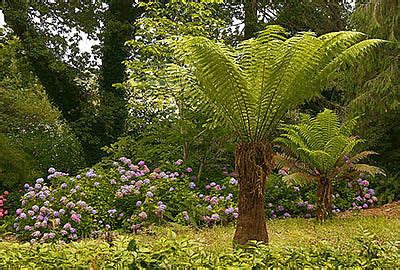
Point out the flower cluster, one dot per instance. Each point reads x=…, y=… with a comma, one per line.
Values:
x=365, y=196
x=3, y=199
x=53, y=213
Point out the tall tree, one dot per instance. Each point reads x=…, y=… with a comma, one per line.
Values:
x=253, y=87
x=373, y=89
x=50, y=33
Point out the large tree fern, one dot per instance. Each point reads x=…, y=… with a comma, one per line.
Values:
x=253, y=86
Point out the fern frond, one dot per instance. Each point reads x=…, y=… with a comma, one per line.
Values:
x=371, y=170
x=360, y=156
x=298, y=178
x=221, y=79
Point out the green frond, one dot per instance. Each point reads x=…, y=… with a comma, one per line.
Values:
x=352, y=142
x=349, y=56
x=360, y=156
x=298, y=178
x=348, y=126
x=221, y=79
x=368, y=169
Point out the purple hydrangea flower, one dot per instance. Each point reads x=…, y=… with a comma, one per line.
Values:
x=51, y=170
x=233, y=181
x=179, y=162
x=76, y=218
x=138, y=203
x=286, y=214
x=189, y=170
x=142, y=215
x=36, y=234
x=229, y=210
x=141, y=163
x=365, y=183
x=280, y=208
x=63, y=186
x=192, y=185
x=149, y=194
x=215, y=217
x=296, y=189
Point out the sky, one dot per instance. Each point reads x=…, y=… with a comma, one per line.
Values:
x=85, y=45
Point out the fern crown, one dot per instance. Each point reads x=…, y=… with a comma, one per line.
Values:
x=254, y=85
x=321, y=146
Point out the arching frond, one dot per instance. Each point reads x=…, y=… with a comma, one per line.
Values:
x=298, y=178
x=221, y=78
x=360, y=156
x=364, y=168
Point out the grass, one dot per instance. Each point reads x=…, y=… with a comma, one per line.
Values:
x=284, y=234
x=295, y=232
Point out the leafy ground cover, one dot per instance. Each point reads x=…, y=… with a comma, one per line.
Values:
x=352, y=240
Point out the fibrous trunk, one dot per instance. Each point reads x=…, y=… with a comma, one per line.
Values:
x=253, y=162
x=323, y=198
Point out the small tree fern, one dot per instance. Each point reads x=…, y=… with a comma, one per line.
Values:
x=253, y=86
x=320, y=150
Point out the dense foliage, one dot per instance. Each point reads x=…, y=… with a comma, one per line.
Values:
x=33, y=136
x=205, y=84
x=181, y=252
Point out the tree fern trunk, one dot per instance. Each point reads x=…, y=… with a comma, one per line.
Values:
x=253, y=164
x=323, y=198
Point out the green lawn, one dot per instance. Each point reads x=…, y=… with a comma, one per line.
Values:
x=340, y=235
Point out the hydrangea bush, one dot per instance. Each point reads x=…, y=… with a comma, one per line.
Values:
x=286, y=201
x=127, y=195
x=57, y=212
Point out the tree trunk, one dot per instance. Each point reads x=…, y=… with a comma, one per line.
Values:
x=323, y=198
x=250, y=18
x=253, y=164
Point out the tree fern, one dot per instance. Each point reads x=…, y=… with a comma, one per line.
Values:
x=253, y=87
x=256, y=84
x=321, y=149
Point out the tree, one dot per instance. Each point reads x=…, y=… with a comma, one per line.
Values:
x=321, y=150
x=373, y=88
x=50, y=32
x=253, y=87
x=163, y=123
x=32, y=135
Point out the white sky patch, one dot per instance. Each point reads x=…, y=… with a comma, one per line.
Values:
x=2, y=22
